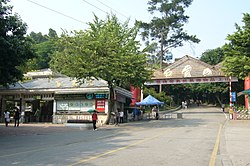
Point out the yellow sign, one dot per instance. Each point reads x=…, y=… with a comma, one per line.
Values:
x=231, y=111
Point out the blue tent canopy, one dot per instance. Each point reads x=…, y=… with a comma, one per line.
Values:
x=149, y=100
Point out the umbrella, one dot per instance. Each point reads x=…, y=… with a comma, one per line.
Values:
x=91, y=110
x=245, y=92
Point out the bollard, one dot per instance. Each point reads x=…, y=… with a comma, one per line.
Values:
x=179, y=115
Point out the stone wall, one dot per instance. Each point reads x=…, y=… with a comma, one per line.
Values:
x=63, y=118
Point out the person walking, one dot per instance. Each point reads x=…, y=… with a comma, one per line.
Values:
x=6, y=117
x=17, y=117
x=94, y=119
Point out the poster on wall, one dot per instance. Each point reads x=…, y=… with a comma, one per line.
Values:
x=86, y=105
x=100, y=105
x=62, y=105
x=74, y=105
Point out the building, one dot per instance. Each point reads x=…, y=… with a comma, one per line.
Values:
x=50, y=97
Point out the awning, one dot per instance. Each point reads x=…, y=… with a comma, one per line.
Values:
x=81, y=90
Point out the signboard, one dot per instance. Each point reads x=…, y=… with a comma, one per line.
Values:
x=100, y=105
x=190, y=80
x=62, y=105
x=88, y=96
x=169, y=56
x=85, y=105
x=101, y=96
x=75, y=105
x=233, y=96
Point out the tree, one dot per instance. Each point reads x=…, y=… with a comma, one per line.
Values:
x=38, y=37
x=168, y=28
x=15, y=48
x=219, y=91
x=52, y=33
x=213, y=56
x=107, y=50
x=237, y=50
x=44, y=46
x=160, y=96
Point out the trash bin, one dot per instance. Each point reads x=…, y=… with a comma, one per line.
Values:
x=179, y=115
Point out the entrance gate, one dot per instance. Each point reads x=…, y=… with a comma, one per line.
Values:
x=189, y=70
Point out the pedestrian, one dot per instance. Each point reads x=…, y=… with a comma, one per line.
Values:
x=37, y=115
x=223, y=107
x=6, y=117
x=17, y=117
x=186, y=104
x=198, y=103
x=117, y=117
x=121, y=116
x=94, y=119
x=183, y=104
x=155, y=112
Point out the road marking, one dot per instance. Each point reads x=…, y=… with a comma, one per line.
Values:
x=115, y=150
x=216, y=147
x=225, y=115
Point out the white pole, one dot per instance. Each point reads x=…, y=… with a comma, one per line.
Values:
x=230, y=99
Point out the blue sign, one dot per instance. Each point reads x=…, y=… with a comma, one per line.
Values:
x=169, y=56
x=233, y=96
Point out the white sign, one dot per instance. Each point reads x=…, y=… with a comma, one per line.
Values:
x=75, y=105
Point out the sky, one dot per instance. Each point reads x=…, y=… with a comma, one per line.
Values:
x=210, y=20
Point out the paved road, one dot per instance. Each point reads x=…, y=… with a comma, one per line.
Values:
x=203, y=137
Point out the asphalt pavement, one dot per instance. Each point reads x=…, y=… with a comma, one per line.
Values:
x=233, y=150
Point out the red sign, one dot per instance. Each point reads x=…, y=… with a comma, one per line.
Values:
x=100, y=105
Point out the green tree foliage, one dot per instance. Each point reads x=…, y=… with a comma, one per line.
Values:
x=166, y=27
x=38, y=37
x=44, y=46
x=160, y=96
x=217, y=92
x=106, y=50
x=213, y=92
x=237, y=50
x=15, y=48
x=213, y=56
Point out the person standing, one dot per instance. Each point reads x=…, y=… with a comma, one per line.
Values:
x=6, y=117
x=17, y=117
x=157, y=113
x=117, y=117
x=94, y=119
x=223, y=107
x=121, y=116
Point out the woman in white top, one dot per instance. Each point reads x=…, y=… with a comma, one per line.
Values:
x=6, y=117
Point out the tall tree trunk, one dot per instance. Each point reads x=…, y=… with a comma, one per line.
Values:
x=111, y=103
x=218, y=99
